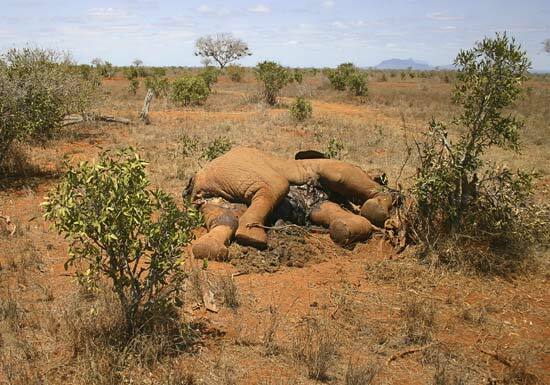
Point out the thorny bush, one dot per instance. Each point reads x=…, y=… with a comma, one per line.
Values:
x=274, y=77
x=470, y=212
x=190, y=90
x=301, y=109
x=124, y=231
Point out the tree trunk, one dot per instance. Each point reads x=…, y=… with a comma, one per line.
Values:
x=144, y=115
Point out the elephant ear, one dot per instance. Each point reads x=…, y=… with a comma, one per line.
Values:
x=309, y=154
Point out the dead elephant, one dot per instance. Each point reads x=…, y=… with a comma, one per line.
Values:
x=238, y=191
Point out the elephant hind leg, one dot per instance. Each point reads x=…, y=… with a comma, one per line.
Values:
x=221, y=223
x=344, y=227
x=262, y=203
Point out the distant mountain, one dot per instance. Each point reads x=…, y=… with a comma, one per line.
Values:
x=403, y=64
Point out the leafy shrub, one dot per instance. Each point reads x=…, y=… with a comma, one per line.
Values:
x=335, y=149
x=274, y=77
x=486, y=209
x=357, y=84
x=189, y=90
x=301, y=109
x=133, y=86
x=210, y=76
x=235, y=73
x=346, y=75
x=298, y=76
x=158, y=84
x=216, y=148
x=38, y=88
x=124, y=231
x=337, y=79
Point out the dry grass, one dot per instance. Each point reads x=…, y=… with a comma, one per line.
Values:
x=361, y=373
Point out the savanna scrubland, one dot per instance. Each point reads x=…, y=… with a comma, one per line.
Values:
x=303, y=311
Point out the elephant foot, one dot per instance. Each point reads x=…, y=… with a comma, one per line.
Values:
x=377, y=209
x=349, y=230
x=209, y=248
x=253, y=236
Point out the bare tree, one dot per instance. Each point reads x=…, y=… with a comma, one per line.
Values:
x=223, y=48
x=97, y=62
x=137, y=62
x=546, y=45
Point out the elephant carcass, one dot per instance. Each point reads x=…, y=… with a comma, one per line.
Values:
x=238, y=191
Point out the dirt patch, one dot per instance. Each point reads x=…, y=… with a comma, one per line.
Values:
x=292, y=247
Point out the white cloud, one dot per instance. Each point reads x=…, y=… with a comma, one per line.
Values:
x=328, y=3
x=339, y=24
x=443, y=16
x=292, y=42
x=203, y=8
x=260, y=8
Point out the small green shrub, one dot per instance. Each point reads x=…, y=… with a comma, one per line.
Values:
x=335, y=149
x=133, y=86
x=216, y=148
x=274, y=77
x=189, y=90
x=158, y=84
x=357, y=84
x=337, y=79
x=125, y=232
x=210, y=76
x=298, y=76
x=235, y=73
x=301, y=109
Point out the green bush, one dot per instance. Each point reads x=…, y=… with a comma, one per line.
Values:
x=189, y=90
x=38, y=88
x=335, y=149
x=487, y=210
x=210, y=76
x=301, y=109
x=216, y=148
x=337, y=79
x=121, y=230
x=298, y=76
x=158, y=84
x=357, y=84
x=274, y=77
x=235, y=72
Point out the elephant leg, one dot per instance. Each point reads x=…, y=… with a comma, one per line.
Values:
x=347, y=180
x=377, y=209
x=221, y=222
x=344, y=226
x=262, y=203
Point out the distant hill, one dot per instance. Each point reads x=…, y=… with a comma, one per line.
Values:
x=403, y=64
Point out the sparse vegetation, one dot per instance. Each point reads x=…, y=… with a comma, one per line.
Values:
x=210, y=76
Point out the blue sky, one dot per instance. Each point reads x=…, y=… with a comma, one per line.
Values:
x=296, y=33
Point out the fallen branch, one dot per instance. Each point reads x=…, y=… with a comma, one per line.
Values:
x=407, y=352
x=500, y=358
x=74, y=119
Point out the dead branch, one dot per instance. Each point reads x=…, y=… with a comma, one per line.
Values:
x=499, y=357
x=407, y=352
x=74, y=119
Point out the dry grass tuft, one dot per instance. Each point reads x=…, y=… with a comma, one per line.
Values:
x=316, y=345
x=361, y=373
x=270, y=346
x=419, y=321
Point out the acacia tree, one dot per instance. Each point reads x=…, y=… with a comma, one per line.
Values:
x=222, y=48
x=546, y=45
